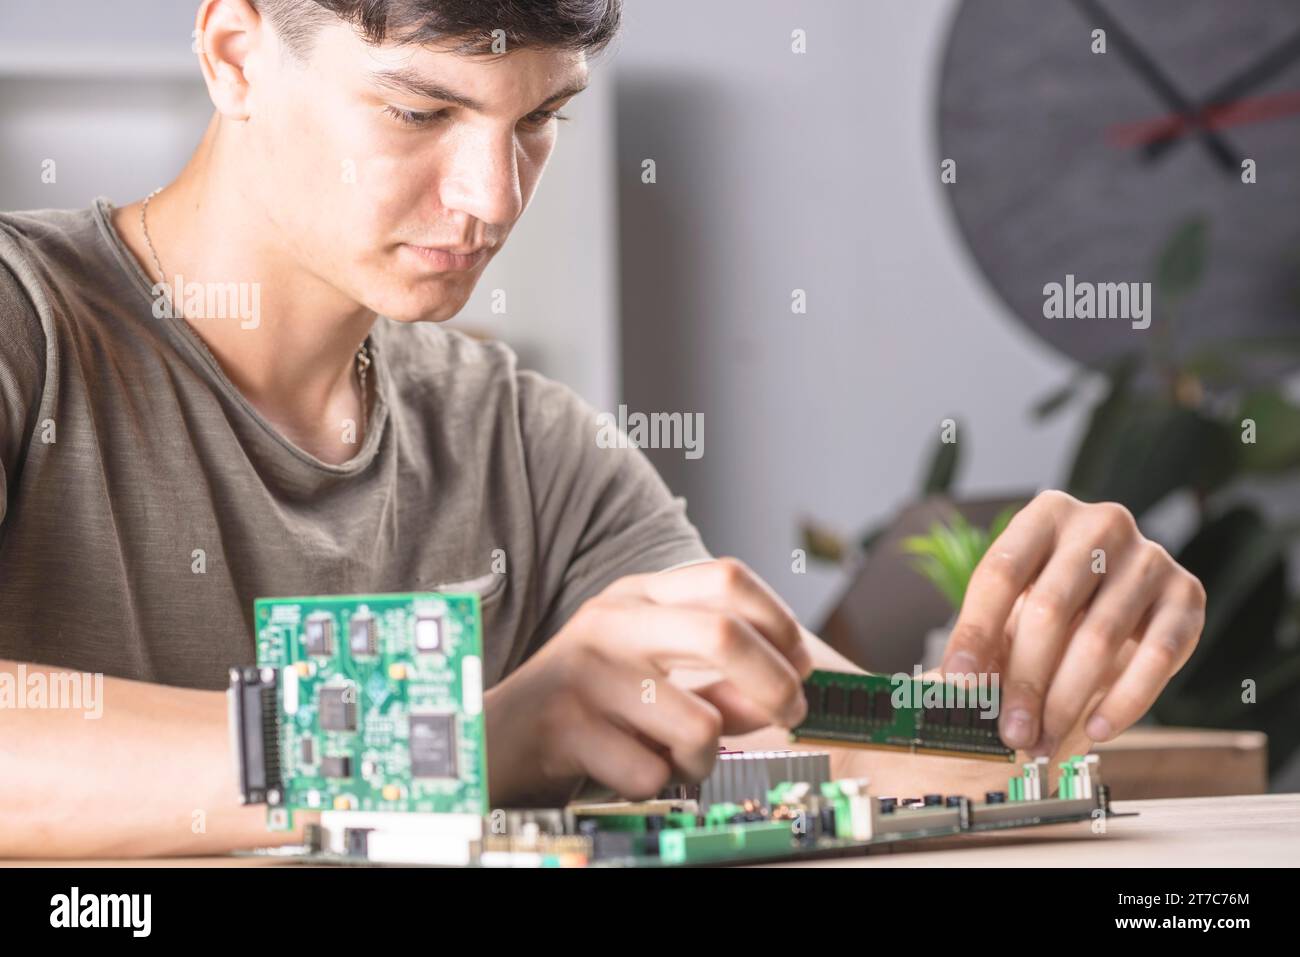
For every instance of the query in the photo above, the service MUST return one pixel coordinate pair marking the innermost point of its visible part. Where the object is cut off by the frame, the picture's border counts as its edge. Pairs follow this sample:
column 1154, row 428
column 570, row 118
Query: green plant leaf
column 942, row 471
column 1241, row 561
column 1181, row 264
column 1057, row 399
column 948, row 554
column 1001, row 521
column 1139, row 448
column 870, row 537
column 821, row 544
column 1091, row 458
column 1277, row 432
column 1255, row 345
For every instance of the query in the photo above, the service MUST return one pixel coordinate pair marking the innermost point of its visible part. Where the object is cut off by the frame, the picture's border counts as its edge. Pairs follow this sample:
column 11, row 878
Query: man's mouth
column 448, row 260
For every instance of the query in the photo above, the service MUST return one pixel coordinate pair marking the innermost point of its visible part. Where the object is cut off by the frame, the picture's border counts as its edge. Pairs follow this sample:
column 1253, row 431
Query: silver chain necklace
column 363, row 354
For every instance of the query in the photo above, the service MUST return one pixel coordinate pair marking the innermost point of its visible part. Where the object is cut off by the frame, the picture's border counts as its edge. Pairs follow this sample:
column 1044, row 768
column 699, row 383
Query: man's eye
column 542, row 117
column 413, row 118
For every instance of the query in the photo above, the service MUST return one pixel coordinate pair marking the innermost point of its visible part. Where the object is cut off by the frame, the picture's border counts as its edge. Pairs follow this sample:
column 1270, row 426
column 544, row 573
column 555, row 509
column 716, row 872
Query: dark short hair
column 579, row 25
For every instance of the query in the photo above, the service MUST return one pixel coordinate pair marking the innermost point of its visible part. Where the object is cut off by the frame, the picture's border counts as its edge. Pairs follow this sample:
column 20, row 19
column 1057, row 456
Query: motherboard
column 369, row 710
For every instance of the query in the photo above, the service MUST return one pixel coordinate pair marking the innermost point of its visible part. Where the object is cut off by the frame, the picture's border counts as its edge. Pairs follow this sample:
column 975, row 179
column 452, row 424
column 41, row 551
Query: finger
column 685, row 725
column 739, row 714
column 615, row 758
column 728, row 585
column 680, row 636
column 1013, row 620
column 1056, row 598
column 1007, row 568
column 1165, row 646
column 938, row 674
column 1119, row 611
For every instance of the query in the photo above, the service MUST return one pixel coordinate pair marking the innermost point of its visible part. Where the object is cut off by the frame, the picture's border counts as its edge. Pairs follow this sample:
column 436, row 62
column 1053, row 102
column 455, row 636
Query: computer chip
column 881, row 707
column 835, row 700
column 318, row 635
column 859, row 703
column 336, row 766
column 937, row 717
column 338, row 708
column 433, row 745
column 362, row 638
column 428, row 634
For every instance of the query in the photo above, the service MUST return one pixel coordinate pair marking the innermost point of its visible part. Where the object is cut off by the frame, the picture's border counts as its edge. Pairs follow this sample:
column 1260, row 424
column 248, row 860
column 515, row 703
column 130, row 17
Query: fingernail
column 1098, row 728
column 1020, row 727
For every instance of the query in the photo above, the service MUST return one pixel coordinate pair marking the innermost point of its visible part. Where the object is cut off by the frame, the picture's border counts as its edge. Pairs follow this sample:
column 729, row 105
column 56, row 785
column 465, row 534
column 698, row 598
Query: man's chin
column 410, row 312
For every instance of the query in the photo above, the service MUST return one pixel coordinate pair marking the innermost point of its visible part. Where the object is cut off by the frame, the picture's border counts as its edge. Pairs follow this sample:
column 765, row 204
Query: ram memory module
column 881, row 711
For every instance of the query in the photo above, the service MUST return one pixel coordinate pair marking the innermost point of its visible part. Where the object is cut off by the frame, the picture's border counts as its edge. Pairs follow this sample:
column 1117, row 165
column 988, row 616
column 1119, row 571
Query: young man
column 161, row 467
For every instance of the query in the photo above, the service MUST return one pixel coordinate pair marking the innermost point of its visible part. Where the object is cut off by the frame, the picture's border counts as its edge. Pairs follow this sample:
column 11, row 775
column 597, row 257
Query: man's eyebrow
column 573, row 89
column 408, row 81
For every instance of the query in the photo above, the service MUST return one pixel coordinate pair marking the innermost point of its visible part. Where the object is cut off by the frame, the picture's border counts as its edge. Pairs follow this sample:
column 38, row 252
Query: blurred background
column 809, row 272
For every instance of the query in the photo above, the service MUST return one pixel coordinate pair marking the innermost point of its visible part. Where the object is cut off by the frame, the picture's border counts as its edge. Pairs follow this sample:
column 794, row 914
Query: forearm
column 516, row 778
column 151, row 775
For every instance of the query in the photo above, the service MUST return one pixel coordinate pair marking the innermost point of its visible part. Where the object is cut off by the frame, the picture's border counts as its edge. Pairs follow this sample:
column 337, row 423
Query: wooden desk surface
column 1256, row 830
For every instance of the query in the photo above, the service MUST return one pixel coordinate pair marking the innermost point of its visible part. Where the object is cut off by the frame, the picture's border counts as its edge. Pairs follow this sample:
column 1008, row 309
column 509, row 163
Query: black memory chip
column 881, row 707
column 835, row 700
column 815, row 695
column 433, row 745
column 336, row 766
column 338, row 709
column 859, row 703
column 318, row 635
column 362, row 638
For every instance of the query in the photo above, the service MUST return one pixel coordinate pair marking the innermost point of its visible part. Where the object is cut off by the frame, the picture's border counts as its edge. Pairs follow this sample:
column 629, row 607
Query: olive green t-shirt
column 145, row 504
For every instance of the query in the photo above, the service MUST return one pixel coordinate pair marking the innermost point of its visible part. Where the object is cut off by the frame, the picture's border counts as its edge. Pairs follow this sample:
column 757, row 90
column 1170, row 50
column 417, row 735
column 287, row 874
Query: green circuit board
column 867, row 710
column 365, row 705
column 374, row 703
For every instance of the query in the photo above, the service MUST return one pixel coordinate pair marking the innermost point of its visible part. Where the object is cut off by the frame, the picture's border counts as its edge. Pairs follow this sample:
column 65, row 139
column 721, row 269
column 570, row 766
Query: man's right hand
column 595, row 701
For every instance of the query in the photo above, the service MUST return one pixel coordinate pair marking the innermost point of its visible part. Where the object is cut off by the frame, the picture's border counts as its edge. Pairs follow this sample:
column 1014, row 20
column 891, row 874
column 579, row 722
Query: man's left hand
column 1082, row 617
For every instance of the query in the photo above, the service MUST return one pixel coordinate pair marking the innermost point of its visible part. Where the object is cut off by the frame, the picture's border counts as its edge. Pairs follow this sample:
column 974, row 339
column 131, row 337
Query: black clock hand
column 1164, row 88
column 1234, row 88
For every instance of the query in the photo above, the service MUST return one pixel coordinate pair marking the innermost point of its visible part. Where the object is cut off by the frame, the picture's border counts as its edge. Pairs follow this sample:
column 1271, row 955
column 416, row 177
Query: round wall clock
column 1086, row 135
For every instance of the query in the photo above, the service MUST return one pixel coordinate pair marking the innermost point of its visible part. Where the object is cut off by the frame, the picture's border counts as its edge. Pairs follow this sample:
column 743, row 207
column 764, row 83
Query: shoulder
column 45, row 256
column 24, row 312
column 51, row 242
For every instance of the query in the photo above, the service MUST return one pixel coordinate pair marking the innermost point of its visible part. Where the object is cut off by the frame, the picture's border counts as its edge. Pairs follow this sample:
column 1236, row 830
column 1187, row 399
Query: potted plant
column 947, row 557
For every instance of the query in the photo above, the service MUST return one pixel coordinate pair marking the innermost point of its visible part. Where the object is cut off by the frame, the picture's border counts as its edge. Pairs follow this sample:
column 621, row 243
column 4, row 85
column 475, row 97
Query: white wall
column 819, row 171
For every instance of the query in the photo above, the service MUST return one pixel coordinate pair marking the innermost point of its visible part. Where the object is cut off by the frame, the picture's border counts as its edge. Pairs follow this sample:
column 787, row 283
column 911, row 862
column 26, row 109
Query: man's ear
column 228, row 34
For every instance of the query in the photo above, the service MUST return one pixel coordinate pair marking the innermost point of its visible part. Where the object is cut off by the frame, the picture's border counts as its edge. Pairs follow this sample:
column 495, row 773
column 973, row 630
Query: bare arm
column 153, row 775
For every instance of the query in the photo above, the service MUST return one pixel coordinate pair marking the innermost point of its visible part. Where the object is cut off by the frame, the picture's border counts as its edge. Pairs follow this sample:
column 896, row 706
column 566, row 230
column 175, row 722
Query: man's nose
column 483, row 180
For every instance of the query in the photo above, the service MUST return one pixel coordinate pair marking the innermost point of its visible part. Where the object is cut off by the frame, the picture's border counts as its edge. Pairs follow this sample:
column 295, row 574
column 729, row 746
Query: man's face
column 364, row 170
